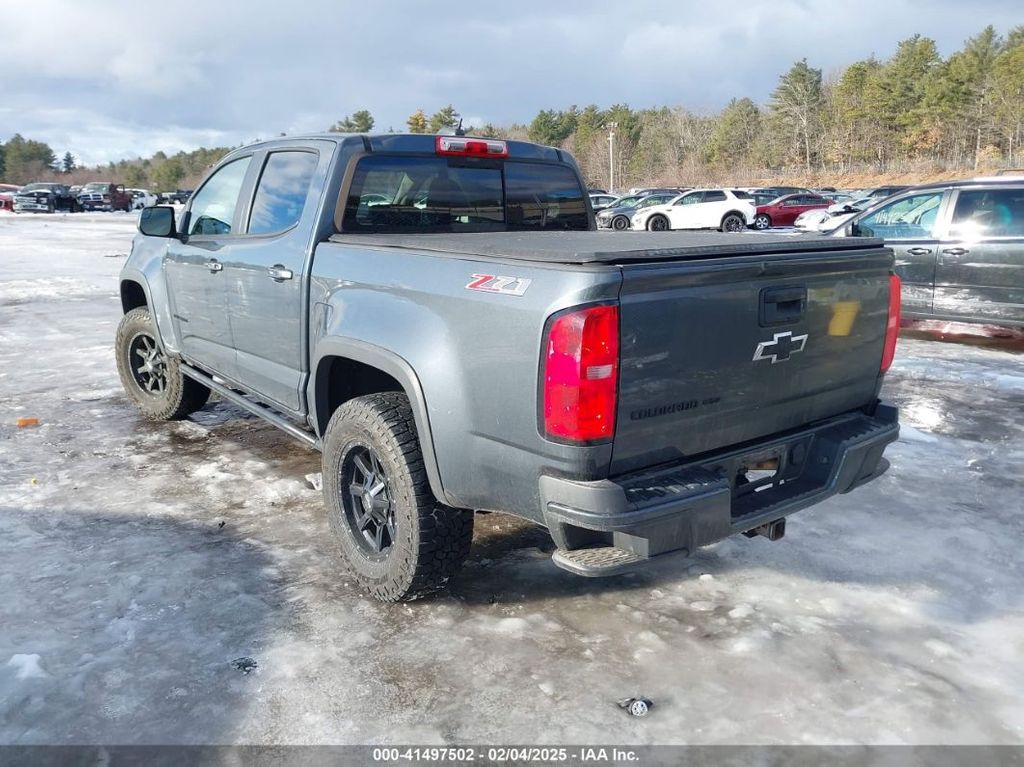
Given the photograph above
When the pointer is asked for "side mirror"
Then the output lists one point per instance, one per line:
(158, 221)
(853, 230)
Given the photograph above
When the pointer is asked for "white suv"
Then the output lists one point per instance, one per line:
(729, 210)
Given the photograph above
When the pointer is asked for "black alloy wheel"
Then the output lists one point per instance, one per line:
(369, 507)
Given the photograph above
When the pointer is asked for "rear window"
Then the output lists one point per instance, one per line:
(439, 194)
(739, 194)
(989, 213)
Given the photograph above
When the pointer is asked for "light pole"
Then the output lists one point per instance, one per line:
(611, 157)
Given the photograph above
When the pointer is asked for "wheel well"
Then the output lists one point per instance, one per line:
(132, 296)
(339, 379)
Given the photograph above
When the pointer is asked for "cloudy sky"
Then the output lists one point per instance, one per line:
(111, 79)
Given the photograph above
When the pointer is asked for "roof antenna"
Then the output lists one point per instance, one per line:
(458, 129)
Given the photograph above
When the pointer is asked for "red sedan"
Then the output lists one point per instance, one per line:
(784, 210)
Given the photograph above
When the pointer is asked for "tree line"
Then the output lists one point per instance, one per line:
(913, 112)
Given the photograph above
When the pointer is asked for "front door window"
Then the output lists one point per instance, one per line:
(909, 218)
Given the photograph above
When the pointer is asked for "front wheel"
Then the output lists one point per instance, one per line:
(151, 378)
(399, 541)
(761, 221)
(657, 224)
(620, 223)
(733, 222)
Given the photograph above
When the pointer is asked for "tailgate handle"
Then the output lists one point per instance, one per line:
(782, 306)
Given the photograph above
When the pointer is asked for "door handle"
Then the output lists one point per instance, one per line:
(918, 251)
(782, 306)
(279, 274)
(956, 251)
(214, 265)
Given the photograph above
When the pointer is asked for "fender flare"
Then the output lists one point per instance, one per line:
(138, 277)
(396, 367)
(133, 275)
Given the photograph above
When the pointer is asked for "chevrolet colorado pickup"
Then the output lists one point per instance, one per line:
(439, 316)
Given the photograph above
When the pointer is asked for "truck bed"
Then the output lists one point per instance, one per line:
(595, 247)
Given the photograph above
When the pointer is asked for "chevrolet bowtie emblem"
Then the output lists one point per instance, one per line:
(780, 348)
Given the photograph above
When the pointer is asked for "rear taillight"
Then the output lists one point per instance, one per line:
(892, 328)
(471, 147)
(581, 374)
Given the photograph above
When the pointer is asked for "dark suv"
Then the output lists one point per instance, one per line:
(959, 248)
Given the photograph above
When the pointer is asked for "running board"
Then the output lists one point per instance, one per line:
(598, 562)
(256, 409)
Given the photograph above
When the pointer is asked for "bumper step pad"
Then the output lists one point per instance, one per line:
(597, 562)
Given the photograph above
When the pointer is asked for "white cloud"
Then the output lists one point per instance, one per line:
(115, 78)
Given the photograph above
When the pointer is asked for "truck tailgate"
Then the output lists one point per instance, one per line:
(716, 352)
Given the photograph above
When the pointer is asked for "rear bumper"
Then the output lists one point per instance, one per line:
(686, 506)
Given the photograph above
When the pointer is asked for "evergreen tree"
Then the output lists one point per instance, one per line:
(446, 117)
(417, 122)
(1008, 99)
(797, 104)
(133, 176)
(551, 127)
(897, 95)
(168, 175)
(27, 160)
(735, 133)
(67, 164)
(360, 122)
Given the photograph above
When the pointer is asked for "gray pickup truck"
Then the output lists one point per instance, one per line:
(439, 316)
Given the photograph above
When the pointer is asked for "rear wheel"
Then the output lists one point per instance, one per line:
(733, 222)
(761, 221)
(150, 377)
(657, 224)
(620, 223)
(399, 541)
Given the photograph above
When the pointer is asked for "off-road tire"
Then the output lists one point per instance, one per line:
(180, 396)
(431, 540)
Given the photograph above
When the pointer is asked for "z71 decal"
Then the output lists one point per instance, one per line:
(490, 283)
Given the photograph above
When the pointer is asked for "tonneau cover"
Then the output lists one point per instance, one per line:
(593, 247)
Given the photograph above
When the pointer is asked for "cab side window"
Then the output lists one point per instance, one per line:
(988, 213)
(281, 192)
(909, 218)
(213, 206)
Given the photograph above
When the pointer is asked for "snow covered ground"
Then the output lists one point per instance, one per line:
(137, 561)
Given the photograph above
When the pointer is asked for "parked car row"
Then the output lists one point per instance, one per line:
(959, 245)
(731, 209)
(51, 197)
